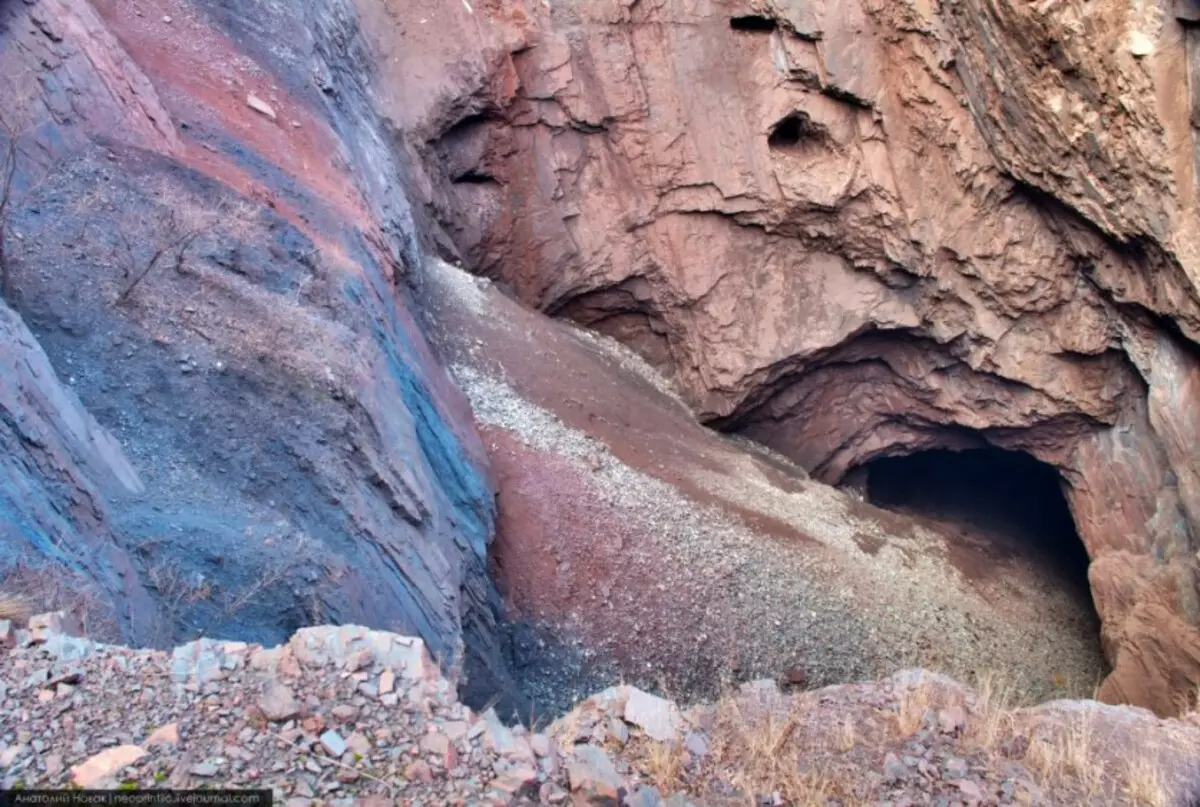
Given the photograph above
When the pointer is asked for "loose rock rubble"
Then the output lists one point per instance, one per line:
(345, 715)
(335, 715)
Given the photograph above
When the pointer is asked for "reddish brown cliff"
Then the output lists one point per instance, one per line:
(855, 230)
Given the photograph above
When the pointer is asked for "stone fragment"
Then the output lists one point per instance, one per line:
(43, 626)
(333, 743)
(657, 717)
(893, 769)
(515, 778)
(436, 743)
(644, 796)
(419, 771)
(540, 744)
(952, 719)
(278, 702)
(344, 712)
(164, 736)
(1140, 45)
(957, 768)
(387, 682)
(207, 769)
(591, 774)
(101, 766)
(969, 789)
(260, 106)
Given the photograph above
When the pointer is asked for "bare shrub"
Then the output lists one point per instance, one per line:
(8, 173)
(33, 588)
(174, 231)
(179, 593)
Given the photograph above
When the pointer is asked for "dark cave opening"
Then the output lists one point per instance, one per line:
(1006, 503)
(752, 22)
(792, 131)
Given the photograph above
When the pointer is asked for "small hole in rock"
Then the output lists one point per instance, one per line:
(791, 131)
(752, 22)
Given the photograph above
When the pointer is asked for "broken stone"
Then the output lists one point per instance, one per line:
(894, 769)
(969, 789)
(278, 703)
(165, 735)
(333, 743)
(260, 106)
(99, 767)
(952, 719)
(592, 775)
(540, 744)
(387, 682)
(1140, 45)
(344, 712)
(419, 771)
(514, 779)
(436, 743)
(957, 768)
(644, 797)
(657, 717)
(43, 626)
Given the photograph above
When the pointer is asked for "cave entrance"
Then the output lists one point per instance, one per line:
(994, 507)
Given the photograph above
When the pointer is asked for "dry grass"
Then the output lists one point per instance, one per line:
(847, 735)
(992, 721)
(915, 702)
(663, 764)
(15, 609)
(37, 588)
(1144, 781)
(754, 747)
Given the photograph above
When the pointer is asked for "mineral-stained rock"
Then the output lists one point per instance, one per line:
(858, 230)
(240, 418)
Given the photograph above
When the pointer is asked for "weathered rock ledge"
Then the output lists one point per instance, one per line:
(345, 716)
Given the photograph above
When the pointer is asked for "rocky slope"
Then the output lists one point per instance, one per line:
(208, 244)
(634, 544)
(348, 716)
(857, 230)
(844, 231)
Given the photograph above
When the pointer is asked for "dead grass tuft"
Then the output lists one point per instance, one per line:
(992, 721)
(37, 588)
(754, 748)
(14, 609)
(914, 704)
(663, 764)
(1144, 781)
(847, 735)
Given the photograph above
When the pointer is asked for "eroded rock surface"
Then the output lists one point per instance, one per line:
(853, 230)
(262, 438)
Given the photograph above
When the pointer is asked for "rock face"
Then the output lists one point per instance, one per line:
(235, 405)
(844, 230)
(855, 230)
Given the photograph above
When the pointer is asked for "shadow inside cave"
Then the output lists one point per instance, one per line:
(994, 506)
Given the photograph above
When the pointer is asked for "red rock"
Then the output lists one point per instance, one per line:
(418, 771)
(99, 767)
(164, 735)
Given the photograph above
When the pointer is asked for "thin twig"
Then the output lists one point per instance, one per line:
(8, 173)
